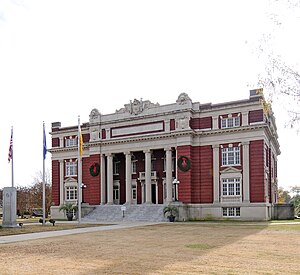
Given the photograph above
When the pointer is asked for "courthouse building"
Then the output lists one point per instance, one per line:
(211, 160)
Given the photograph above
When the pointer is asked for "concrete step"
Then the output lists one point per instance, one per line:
(139, 212)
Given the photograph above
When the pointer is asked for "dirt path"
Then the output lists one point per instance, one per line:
(180, 248)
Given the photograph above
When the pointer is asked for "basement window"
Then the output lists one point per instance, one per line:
(231, 211)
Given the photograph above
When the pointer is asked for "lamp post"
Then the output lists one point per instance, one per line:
(175, 186)
(83, 186)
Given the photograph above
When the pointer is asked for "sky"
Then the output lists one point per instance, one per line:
(59, 59)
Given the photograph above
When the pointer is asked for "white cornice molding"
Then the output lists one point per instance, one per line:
(170, 135)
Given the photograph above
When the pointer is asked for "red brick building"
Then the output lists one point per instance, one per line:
(213, 160)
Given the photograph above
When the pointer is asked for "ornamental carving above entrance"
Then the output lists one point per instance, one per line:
(136, 106)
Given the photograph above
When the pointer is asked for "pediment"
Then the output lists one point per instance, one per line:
(229, 170)
(70, 181)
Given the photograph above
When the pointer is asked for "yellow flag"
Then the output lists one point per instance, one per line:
(80, 142)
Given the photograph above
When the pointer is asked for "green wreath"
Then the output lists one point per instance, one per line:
(184, 163)
(95, 169)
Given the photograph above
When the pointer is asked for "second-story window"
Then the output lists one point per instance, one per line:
(116, 167)
(71, 168)
(231, 156)
(153, 165)
(133, 167)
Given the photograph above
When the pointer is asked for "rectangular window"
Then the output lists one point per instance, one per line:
(116, 167)
(116, 193)
(71, 193)
(231, 156)
(231, 212)
(133, 167)
(230, 122)
(152, 165)
(231, 187)
(224, 212)
(71, 168)
(71, 142)
(133, 190)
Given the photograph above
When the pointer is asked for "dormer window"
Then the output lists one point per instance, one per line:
(230, 122)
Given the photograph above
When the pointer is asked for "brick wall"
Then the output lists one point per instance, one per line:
(206, 171)
(256, 156)
(256, 116)
(201, 123)
(55, 182)
(92, 191)
(185, 187)
(196, 184)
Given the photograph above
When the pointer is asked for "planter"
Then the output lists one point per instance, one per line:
(70, 216)
(68, 209)
(171, 218)
(171, 212)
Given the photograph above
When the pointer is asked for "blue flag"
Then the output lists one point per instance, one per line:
(44, 143)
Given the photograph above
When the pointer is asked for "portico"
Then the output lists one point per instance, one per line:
(144, 177)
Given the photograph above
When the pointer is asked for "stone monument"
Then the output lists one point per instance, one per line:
(9, 207)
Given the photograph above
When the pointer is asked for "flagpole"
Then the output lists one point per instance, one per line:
(44, 191)
(79, 173)
(12, 158)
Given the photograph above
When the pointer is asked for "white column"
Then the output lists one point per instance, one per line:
(110, 181)
(245, 119)
(128, 176)
(216, 167)
(246, 186)
(102, 179)
(169, 175)
(156, 192)
(143, 192)
(61, 182)
(148, 175)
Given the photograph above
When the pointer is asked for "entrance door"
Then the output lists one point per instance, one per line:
(116, 194)
(153, 193)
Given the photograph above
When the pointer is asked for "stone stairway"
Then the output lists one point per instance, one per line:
(139, 212)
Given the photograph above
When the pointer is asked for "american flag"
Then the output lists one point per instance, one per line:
(10, 151)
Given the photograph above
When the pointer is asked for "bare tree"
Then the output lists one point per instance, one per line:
(30, 197)
(280, 77)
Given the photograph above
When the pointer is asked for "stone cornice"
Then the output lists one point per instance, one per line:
(171, 135)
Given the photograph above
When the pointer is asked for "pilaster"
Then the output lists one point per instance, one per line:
(215, 122)
(61, 182)
(110, 181)
(102, 179)
(246, 187)
(245, 118)
(216, 173)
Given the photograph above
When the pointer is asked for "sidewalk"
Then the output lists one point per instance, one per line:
(49, 234)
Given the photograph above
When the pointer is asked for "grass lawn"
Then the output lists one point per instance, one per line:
(169, 248)
(33, 225)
